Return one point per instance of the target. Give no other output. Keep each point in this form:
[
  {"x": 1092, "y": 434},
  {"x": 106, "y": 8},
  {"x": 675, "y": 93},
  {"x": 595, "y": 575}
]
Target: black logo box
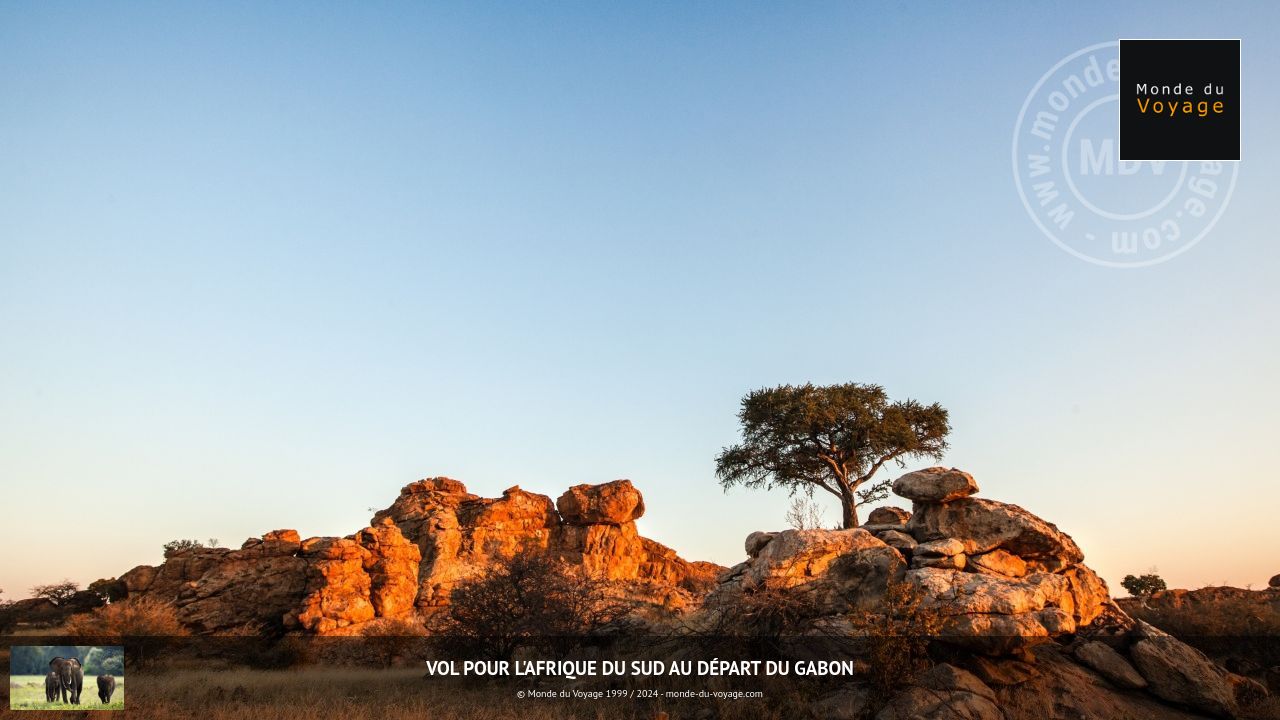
[{"x": 1186, "y": 68}]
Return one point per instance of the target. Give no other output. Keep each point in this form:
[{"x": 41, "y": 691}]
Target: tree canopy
[
  {"x": 832, "y": 437},
  {"x": 1142, "y": 586}
]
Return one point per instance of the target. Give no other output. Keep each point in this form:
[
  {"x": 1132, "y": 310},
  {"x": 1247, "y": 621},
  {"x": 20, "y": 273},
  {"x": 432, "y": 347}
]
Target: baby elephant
[
  {"x": 106, "y": 686},
  {"x": 51, "y": 686}
]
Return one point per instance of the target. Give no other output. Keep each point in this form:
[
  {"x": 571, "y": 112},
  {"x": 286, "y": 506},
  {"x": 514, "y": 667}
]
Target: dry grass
[{"x": 395, "y": 694}]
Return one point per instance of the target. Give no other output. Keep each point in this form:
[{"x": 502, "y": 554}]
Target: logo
[{"x": 1082, "y": 196}]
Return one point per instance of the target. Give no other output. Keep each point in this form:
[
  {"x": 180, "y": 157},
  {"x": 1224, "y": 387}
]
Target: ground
[
  {"x": 342, "y": 693},
  {"x": 26, "y": 692}
]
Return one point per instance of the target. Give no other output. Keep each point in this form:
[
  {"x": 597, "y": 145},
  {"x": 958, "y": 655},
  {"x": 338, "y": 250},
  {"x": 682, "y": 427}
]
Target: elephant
[
  {"x": 70, "y": 678},
  {"x": 106, "y": 687},
  {"x": 51, "y": 685}
]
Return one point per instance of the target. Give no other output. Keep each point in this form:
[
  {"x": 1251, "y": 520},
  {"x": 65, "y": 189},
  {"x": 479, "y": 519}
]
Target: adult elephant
[
  {"x": 51, "y": 685},
  {"x": 106, "y": 687},
  {"x": 70, "y": 678}
]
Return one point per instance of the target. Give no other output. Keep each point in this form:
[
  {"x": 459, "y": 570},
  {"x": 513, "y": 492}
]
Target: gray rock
[
  {"x": 944, "y": 692},
  {"x": 935, "y": 485},
  {"x": 756, "y": 542},
  {"x": 1109, "y": 664},
  {"x": 897, "y": 540},
  {"x": 985, "y": 525},
  {"x": 1179, "y": 673}
]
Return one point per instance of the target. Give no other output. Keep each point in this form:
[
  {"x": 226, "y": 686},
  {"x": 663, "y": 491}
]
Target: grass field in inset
[{"x": 26, "y": 692}]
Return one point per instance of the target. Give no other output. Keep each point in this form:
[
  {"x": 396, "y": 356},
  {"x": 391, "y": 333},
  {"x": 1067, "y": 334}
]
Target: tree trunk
[{"x": 849, "y": 507}]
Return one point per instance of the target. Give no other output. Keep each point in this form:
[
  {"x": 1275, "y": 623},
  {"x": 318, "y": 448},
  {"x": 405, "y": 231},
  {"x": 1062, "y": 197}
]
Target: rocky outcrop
[
  {"x": 257, "y": 585},
  {"x": 1003, "y": 587},
  {"x": 591, "y": 526},
  {"x": 1063, "y": 688},
  {"x": 1274, "y": 581},
  {"x": 986, "y": 525},
  {"x": 434, "y": 536},
  {"x": 392, "y": 565},
  {"x": 836, "y": 570}
]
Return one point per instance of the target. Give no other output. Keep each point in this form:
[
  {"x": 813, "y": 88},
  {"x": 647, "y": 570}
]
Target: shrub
[
  {"x": 1142, "y": 586},
  {"x": 901, "y": 632},
  {"x": 176, "y": 546},
  {"x": 137, "y": 617},
  {"x": 146, "y": 625},
  {"x": 531, "y": 601}
]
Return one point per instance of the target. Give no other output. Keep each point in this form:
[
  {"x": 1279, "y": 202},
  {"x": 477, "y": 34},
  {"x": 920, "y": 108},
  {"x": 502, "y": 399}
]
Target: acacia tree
[
  {"x": 57, "y": 593},
  {"x": 832, "y": 437}
]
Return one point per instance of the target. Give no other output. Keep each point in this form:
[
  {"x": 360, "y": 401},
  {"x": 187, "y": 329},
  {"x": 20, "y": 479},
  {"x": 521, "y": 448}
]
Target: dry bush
[
  {"x": 148, "y": 626},
  {"x": 1241, "y": 632},
  {"x": 900, "y": 634},
  {"x": 343, "y": 693},
  {"x": 139, "y": 617},
  {"x": 1233, "y": 617},
  {"x": 531, "y": 601},
  {"x": 385, "y": 642}
]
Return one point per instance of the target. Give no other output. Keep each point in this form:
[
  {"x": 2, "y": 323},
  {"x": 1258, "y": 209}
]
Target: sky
[{"x": 262, "y": 264}]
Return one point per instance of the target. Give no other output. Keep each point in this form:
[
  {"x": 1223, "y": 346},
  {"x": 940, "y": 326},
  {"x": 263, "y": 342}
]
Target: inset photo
[{"x": 66, "y": 677}]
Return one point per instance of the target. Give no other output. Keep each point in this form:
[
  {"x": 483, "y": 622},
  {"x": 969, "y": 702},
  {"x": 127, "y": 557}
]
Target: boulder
[
  {"x": 1063, "y": 689},
  {"x": 943, "y": 562},
  {"x": 899, "y": 541},
  {"x": 1001, "y": 671},
  {"x": 1274, "y": 581},
  {"x": 888, "y": 516},
  {"x": 995, "y": 614},
  {"x": 998, "y": 562},
  {"x": 947, "y": 554},
  {"x": 612, "y": 503},
  {"x": 1180, "y": 674},
  {"x": 944, "y": 692},
  {"x": 840, "y": 569},
  {"x": 756, "y": 542},
  {"x": 940, "y": 548},
  {"x": 935, "y": 485},
  {"x": 1108, "y": 663},
  {"x": 139, "y": 579},
  {"x": 986, "y": 525}
]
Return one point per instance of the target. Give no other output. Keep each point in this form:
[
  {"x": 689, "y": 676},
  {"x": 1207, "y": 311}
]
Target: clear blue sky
[{"x": 261, "y": 264}]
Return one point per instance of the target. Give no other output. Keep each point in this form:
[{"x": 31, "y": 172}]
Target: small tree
[
  {"x": 57, "y": 593},
  {"x": 1142, "y": 586},
  {"x": 833, "y": 437}
]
